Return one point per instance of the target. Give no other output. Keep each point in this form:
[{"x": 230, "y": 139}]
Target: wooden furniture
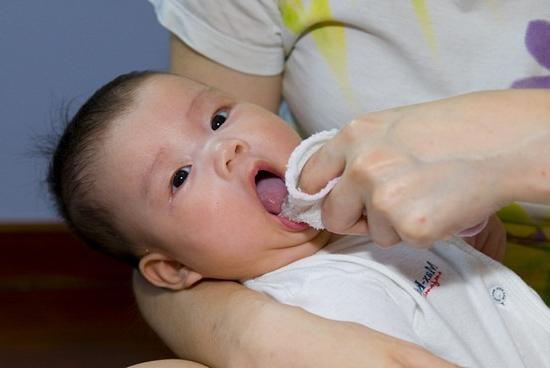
[{"x": 64, "y": 305}]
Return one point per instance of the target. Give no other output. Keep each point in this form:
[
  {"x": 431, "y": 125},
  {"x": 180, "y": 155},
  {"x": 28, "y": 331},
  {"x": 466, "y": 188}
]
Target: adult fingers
[
  {"x": 343, "y": 208},
  {"x": 325, "y": 164},
  {"x": 381, "y": 230}
]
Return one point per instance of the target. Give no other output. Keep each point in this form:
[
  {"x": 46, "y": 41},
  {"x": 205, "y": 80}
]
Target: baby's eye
[
  {"x": 218, "y": 119},
  {"x": 179, "y": 177}
]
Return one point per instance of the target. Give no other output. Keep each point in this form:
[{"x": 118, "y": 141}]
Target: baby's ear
[{"x": 165, "y": 272}]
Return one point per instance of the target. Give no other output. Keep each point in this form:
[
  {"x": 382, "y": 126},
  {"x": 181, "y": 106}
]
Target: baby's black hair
[{"x": 71, "y": 179}]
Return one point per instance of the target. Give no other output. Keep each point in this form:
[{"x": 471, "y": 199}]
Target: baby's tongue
[{"x": 272, "y": 192}]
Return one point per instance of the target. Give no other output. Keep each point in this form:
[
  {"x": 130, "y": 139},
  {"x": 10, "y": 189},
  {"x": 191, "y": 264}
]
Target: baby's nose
[{"x": 229, "y": 151}]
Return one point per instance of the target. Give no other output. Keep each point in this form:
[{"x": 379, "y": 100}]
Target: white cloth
[
  {"x": 300, "y": 206},
  {"x": 452, "y": 300}
]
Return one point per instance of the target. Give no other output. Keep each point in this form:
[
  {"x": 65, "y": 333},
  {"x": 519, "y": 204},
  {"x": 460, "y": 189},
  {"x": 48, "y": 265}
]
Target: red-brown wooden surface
[{"x": 63, "y": 305}]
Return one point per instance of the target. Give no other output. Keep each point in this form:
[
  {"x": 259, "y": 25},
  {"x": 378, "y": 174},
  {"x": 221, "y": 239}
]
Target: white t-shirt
[
  {"x": 342, "y": 58},
  {"x": 452, "y": 300}
]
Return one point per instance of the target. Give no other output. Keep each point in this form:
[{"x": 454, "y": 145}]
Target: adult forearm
[
  {"x": 291, "y": 337},
  {"x": 225, "y": 325},
  {"x": 526, "y": 168},
  {"x": 507, "y": 132},
  {"x": 474, "y": 125},
  {"x": 514, "y": 146},
  {"x": 261, "y": 90}
]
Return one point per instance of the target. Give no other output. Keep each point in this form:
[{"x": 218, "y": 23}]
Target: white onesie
[{"x": 451, "y": 299}]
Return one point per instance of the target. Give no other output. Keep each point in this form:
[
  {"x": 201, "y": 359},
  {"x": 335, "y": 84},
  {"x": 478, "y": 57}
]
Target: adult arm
[
  {"x": 223, "y": 324},
  {"x": 426, "y": 171},
  {"x": 261, "y": 90}
]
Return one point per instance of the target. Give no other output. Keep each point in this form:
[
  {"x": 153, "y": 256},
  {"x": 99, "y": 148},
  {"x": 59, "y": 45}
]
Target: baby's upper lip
[{"x": 262, "y": 166}]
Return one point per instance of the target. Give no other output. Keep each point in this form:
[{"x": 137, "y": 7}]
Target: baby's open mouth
[{"x": 271, "y": 191}]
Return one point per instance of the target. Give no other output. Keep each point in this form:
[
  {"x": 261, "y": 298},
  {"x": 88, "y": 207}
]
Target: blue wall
[{"x": 52, "y": 52}]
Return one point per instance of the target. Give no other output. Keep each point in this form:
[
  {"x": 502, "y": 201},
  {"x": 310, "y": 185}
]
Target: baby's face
[{"x": 180, "y": 172}]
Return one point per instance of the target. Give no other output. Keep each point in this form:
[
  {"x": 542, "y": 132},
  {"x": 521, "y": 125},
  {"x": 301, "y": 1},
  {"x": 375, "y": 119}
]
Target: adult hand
[{"x": 425, "y": 172}]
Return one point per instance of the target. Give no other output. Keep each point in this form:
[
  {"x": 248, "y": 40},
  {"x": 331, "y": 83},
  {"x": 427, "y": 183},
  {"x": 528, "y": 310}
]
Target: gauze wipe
[{"x": 300, "y": 206}]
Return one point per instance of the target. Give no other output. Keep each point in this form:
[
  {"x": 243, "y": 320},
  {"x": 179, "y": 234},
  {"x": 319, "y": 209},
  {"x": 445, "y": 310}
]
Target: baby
[{"x": 185, "y": 183}]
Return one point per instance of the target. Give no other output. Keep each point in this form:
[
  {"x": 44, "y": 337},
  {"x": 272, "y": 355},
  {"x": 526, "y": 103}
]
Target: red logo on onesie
[{"x": 429, "y": 281}]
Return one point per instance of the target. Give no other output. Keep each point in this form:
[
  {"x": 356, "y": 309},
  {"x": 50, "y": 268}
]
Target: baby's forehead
[
  {"x": 163, "y": 101},
  {"x": 169, "y": 92},
  {"x": 164, "y": 92},
  {"x": 169, "y": 80}
]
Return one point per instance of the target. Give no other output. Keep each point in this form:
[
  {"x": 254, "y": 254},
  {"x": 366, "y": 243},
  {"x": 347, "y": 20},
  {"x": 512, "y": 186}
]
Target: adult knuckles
[
  {"x": 388, "y": 195},
  {"x": 415, "y": 228},
  {"x": 349, "y": 133},
  {"x": 363, "y": 127},
  {"x": 413, "y": 225},
  {"x": 377, "y": 162},
  {"x": 362, "y": 169}
]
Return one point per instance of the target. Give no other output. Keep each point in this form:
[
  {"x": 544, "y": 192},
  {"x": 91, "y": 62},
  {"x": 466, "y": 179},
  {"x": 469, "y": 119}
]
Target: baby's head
[{"x": 167, "y": 174}]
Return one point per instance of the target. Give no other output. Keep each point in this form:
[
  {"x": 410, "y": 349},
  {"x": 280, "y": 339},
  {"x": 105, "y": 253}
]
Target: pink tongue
[{"x": 272, "y": 192}]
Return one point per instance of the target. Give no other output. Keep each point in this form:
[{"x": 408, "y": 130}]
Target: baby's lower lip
[{"x": 293, "y": 225}]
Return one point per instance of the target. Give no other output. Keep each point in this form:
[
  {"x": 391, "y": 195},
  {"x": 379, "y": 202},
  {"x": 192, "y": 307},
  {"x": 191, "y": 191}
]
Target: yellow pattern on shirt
[{"x": 328, "y": 35}]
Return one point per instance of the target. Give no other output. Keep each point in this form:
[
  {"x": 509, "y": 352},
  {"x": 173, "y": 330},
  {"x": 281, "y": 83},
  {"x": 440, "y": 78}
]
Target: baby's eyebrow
[
  {"x": 147, "y": 178},
  {"x": 196, "y": 102}
]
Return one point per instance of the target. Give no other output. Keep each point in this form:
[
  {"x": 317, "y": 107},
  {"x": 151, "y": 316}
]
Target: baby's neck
[{"x": 322, "y": 239}]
